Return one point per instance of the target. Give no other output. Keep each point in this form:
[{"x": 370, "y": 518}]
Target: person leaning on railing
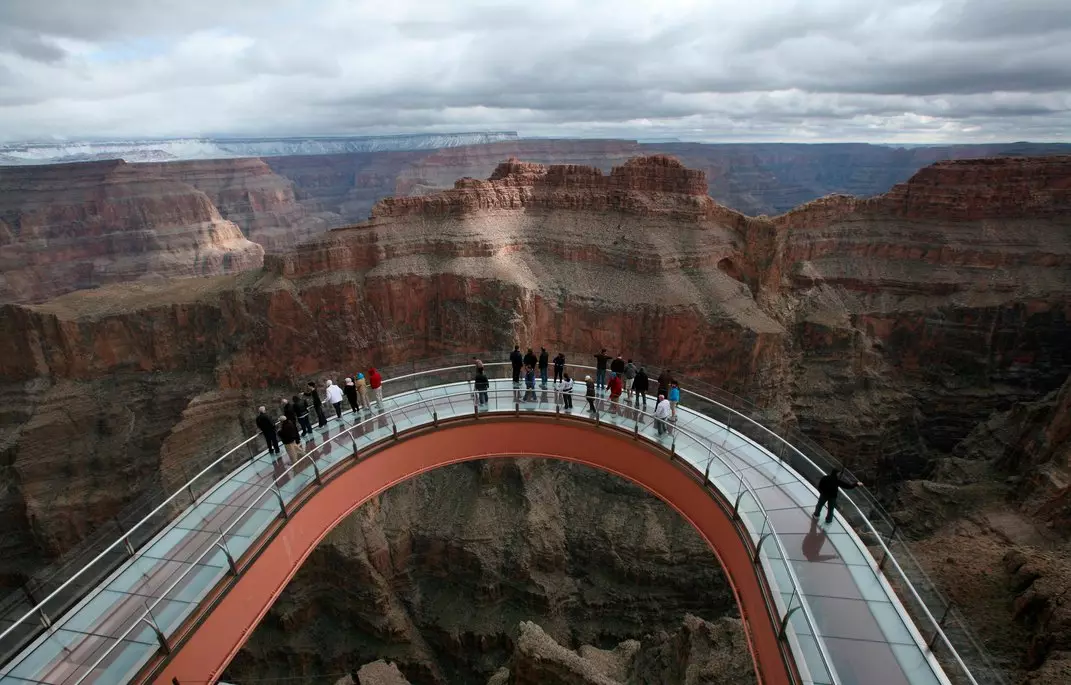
[{"x": 828, "y": 488}]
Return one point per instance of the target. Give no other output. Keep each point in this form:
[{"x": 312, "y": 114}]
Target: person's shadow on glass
[{"x": 813, "y": 542}]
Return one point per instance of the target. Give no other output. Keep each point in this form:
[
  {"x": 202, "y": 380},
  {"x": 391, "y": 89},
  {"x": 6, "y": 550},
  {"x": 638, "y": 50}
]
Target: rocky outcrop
[
  {"x": 591, "y": 558},
  {"x": 248, "y": 193},
  {"x": 73, "y": 226}
]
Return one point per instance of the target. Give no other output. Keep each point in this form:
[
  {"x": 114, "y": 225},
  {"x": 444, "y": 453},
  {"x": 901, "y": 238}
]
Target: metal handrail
[
  {"x": 125, "y": 536},
  {"x": 147, "y": 616},
  {"x": 439, "y": 370}
]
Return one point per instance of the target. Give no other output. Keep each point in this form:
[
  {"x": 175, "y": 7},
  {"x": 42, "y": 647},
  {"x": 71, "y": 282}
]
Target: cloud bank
[{"x": 807, "y": 70}]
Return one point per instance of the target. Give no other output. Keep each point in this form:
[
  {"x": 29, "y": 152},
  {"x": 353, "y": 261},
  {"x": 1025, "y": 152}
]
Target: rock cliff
[
  {"x": 248, "y": 193},
  {"x": 73, "y": 226},
  {"x": 888, "y": 328}
]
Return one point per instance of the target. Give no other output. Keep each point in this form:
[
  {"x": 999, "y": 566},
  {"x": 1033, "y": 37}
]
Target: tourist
[
  {"x": 567, "y": 392},
  {"x": 288, "y": 433},
  {"x": 617, "y": 365},
  {"x": 317, "y": 403},
  {"x": 639, "y": 386},
  {"x": 529, "y": 383},
  {"x": 559, "y": 366},
  {"x": 288, "y": 410},
  {"x": 661, "y": 412},
  {"x": 301, "y": 408},
  {"x": 375, "y": 381},
  {"x": 630, "y": 376},
  {"x": 674, "y": 397},
  {"x": 664, "y": 379},
  {"x": 267, "y": 427},
  {"x": 590, "y": 394},
  {"x": 530, "y": 358},
  {"x": 478, "y": 364},
  {"x": 544, "y": 360},
  {"x": 600, "y": 368},
  {"x": 481, "y": 384},
  {"x": 517, "y": 360},
  {"x": 616, "y": 386},
  {"x": 362, "y": 390},
  {"x": 334, "y": 398},
  {"x": 350, "y": 390},
  {"x": 828, "y": 489}
]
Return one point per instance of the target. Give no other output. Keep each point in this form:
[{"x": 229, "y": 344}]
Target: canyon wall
[
  {"x": 887, "y": 328},
  {"x": 69, "y": 227},
  {"x": 249, "y": 193}
]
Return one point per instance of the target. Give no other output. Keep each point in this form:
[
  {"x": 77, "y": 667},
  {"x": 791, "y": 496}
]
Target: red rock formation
[
  {"x": 249, "y": 193},
  {"x": 72, "y": 226}
]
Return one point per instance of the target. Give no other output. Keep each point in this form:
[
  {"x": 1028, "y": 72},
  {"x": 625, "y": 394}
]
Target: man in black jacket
[
  {"x": 530, "y": 358},
  {"x": 559, "y": 367},
  {"x": 481, "y": 384},
  {"x": 639, "y": 385},
  {"x": 516, "y": 360},
  {"x": 313, "y": 394},
  {"x": 544, "y": 362},
  {"x": 267, "y": 427},
  {"x": 828, "y": 488},
  {"x": 600, "y": 369},
  {"x": 301, "y": 407}
]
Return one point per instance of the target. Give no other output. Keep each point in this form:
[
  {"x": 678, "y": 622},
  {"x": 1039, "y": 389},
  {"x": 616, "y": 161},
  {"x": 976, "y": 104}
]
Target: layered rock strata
[
  {"x": 248, "y": 193},
  {"x": 74, "y": 226},
  {"x": 885, "y": 328}
]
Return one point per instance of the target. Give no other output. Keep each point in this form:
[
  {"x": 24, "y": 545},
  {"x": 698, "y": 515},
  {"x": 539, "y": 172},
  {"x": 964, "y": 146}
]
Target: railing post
[
  {"x": 394, "y": 429},
  {"x": 784, "y": 622},
  {"x": 316, "y": 471},
  {"x": 434, "y": 417},
  {"x": 151, "y": 621},
  {"x": 937, "y": 628},
  {"x": 706, "y": 472},
  {"x": 758, "y": 547},
  {"x": 729, "y": 421},
  {"x": 356, "y": 452},
  {"x": 636, "y": 430},
  {"x": 517, "y": 408},
  {"x": 736, "y": 504},
  {"x": 222, "y": 544},
  {"x": 282, "y": 502}
]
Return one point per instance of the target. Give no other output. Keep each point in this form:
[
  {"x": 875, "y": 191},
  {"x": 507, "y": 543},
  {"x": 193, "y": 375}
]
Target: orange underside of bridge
[{"x": 208, "y": 646}]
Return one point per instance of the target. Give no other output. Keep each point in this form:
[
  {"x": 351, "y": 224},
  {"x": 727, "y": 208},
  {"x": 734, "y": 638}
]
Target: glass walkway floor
[{"x": 844, "y": 623}]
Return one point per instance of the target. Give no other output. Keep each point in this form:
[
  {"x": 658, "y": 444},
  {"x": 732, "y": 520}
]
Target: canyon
[
  {"x": 283, "y": 199},
  {"x": 920, "y": 335}
]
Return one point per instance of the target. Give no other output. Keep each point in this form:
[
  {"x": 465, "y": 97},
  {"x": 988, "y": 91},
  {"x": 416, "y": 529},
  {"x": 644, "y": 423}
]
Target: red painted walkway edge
[{"x": 205, "y": 646}]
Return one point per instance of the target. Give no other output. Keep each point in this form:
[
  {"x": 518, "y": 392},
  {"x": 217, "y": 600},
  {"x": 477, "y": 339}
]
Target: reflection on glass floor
[{"x": 848, "y": 617}]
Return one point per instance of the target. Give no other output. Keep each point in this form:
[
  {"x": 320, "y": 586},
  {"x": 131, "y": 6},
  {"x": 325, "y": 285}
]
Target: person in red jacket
[
  {"x": 616, "y": 386},
  {"x": 375, "y": 381}
]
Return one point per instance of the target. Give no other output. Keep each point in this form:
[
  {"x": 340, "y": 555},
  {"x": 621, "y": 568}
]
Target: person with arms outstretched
[{"x": 828, "y": 489}]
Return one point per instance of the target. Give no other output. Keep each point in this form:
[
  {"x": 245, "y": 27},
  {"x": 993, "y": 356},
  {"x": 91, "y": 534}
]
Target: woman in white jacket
[
  {"x": 567, "y": 391},
  {"x": 334, "y": 397}
]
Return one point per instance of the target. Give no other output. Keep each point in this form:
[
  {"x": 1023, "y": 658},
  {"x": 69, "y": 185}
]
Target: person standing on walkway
[
  {"x": 639, "y": 386},
  {"x": 530, "y": 358},
  {"x": 362, "y": 390},
  {"x": 301, "y": 408},
  {"x": 267, "y": 427},
  {"x": 616, "y": 386},
  {"x": 567, "y": 392},
  {"x": 618, "y": 366},
  {"x": 376, "y": 382},
  {"x": 517, "y": 360},
  {"x": 288, "y": 433},
  {"x": 289, "y": 410},
  {"x": 600, "y": 369},
  {"x": 334, "y": 398},
  {"x": 559, "y": 366},
  {"x": 529, "y": 383},
  {"x": 674, "y": 397},
  {"x": 664, "y": 379},
  {"x": 661, "y": 413},
  {"x": 544, "y": 361},
  {"x": 590, "y": 394},
  {"x": 828, "y": 489},
  {"x": 313, "y": 394},
  {"x": 630, "y": 377},
  {"x": 478, "y": 364},
  {"x": 481, "y": 384},
  {"x": 350, "y": 390}
]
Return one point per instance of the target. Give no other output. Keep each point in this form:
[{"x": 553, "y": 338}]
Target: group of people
[
  {"x": 614, "y": 377},
  {"x": 295, "y": 422}
]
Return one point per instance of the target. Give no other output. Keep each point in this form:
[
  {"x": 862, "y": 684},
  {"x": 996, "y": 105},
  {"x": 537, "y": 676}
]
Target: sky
[{"x": 889, "y": 71}]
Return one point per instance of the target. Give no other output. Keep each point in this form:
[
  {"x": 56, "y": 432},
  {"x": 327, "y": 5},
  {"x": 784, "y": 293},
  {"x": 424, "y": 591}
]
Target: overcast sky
[{"x": 744, "y": 70}]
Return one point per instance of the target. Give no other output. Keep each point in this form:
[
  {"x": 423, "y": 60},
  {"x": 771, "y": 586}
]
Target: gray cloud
[{"x": 890, "y": 70}]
